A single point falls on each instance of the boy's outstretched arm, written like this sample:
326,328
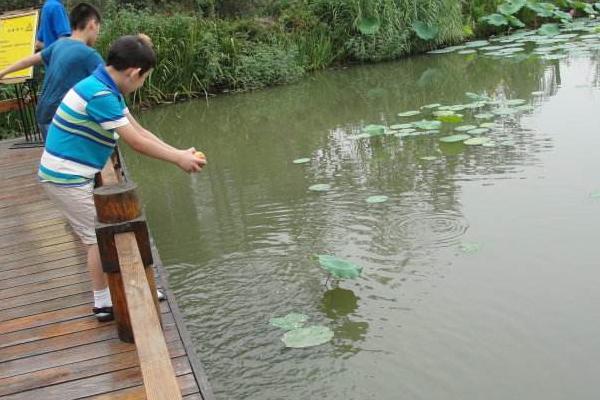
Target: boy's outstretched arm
184,159
22,64
145,132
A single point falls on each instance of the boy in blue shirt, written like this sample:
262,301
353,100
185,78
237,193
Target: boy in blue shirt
54,23
67,61
82,136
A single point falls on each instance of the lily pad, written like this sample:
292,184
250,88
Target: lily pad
471,247
409,113
425,31
430,106
595,194
478,131
301,160
509,7
477,43
484,116
489,125
397,127
455,138
377,199
464,128
289,322
495,19
339,269
467,51
505,111
516,102
443,113
321,187
476,141
452,119
491,143
369,25
307,337
549,30
374,129
427,125
428,158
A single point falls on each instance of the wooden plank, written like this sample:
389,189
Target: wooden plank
42,286
30,270
21,242
36,260
159,377
65,314
46,306
187,385
39,252
45,295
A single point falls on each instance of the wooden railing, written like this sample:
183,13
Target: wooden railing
126,256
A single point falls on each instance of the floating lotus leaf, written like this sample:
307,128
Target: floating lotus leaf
489,125
477,43
442,51
478,131
430,106
477,97
455,138
369,25
401,126
443,113
484,116
425,31
525,108
321,187
491,143
516,102
552,57
339,269
409,113
431,158
374,129
307,337
515,22
464,128
509,7
376,199
495,19
544,10
563,16
427,125
301,160
458,107
290,321
471,247
464,52
549,30
595,194
476,141
407,130
490,48
452,119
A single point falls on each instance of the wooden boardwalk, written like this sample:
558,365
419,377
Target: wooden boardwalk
51,347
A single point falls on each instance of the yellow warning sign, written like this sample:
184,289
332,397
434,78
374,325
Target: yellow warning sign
17,40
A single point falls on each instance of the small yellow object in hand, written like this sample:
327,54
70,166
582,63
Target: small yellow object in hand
200,155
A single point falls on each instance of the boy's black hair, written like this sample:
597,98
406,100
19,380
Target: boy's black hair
131,52
81,14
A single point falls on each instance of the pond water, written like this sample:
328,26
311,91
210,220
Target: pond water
481,277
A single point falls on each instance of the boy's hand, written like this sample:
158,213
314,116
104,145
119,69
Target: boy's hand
189,162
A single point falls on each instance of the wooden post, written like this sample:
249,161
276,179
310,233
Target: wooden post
119,211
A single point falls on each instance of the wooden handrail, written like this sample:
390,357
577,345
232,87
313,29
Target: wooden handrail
126,256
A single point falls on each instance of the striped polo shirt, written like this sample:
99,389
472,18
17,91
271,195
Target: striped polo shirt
82,135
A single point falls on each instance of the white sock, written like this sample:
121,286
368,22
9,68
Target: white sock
102,298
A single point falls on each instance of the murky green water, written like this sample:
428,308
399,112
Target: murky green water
515,316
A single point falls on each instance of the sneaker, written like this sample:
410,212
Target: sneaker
103,314
160,295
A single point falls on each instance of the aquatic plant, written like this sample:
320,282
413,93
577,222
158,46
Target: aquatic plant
307,337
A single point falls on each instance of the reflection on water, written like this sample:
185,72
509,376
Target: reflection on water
517,319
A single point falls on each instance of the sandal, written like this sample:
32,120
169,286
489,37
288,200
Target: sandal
103,314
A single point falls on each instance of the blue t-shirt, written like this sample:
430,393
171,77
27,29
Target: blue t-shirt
67,62
54,22
82,135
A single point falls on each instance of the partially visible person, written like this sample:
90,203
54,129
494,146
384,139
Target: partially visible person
82,137
67,61
54,23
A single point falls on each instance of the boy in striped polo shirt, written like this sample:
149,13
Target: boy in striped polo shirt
82,136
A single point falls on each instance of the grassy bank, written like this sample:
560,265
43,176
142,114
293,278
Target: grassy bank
211,46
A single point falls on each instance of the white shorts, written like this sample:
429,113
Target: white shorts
77,204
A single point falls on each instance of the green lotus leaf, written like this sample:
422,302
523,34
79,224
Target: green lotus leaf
376,199
452,119
307,337
478,131
425,31
321,187
595,194
455,138
339,269
464,128
290,321
563,16
430,106
428,158
476,141
409,113
515,102
510,7
491,143
374,129
427,125
484,116
495,19
505,111
301,160
369,25
443,113
544,10
515,22
400,126
489,125
477,43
